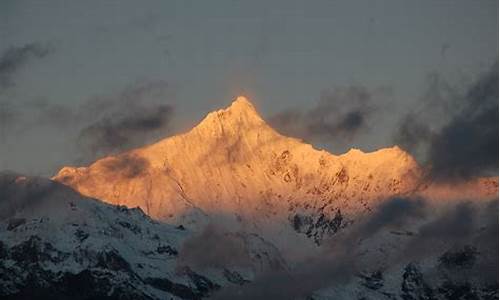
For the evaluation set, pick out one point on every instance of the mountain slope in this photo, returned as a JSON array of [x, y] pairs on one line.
[[56, 244], [233, 164], [239, 208]]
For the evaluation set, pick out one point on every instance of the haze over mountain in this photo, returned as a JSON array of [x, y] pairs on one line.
[[234, 166], [359, 163], [57, 244], [232, 209]]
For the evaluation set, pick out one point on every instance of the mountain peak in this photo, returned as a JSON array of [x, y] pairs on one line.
[[240, 114], [241, 105], [242, 102], [234, 163]]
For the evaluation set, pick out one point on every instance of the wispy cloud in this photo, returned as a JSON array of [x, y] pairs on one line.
[[340, 115], [343, 258], [466, 145], [15, 57]]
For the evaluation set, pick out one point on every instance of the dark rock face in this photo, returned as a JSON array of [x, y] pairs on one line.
[[166, 249], [178, 290], [317, 226], [3, 250], [81, 235], [97, 251], [202, 288], [414, 286], [15, 222], [112, 260], [87, 284], [203, 285], [373, 281], [234, 277], [465, 257], [109, 276], [57, 244], [458, 291], [34, 250], [132, 227]]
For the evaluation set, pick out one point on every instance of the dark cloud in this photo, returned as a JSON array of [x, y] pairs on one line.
[[438, 103], [467, 225], [487, 243], [284, 285], [17, 192], [42, 112], [444, 50], [11, 60], [337, 265], [123, 130], [9, 114], [214, 247], [135, 116], [101, 125], [489, 233], [466, 145], [341, 113], [413, 135], [392, 214], [15, 57], [455, 225], [127, 165], [19, 117], [344, 258]]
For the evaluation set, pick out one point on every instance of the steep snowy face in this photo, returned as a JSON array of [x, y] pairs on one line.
[[234, 165], [55, 244], [234, 162], [276, 195]]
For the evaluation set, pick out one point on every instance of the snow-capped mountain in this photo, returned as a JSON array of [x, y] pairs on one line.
[[235, 166], [57, 244], [234, 210]]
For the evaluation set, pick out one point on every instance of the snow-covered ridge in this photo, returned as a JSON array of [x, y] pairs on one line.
[[232, 209], [235, 165], [55, 243]]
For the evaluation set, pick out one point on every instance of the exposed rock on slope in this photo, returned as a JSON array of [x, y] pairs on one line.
[[276, 195], [56, 244], [233, 164]]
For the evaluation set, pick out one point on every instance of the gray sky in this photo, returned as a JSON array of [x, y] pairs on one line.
[[282, 54]]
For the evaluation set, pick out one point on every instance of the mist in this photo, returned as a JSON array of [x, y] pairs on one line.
[[435, 231]]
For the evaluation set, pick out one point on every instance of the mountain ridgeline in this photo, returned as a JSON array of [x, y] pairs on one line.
[[232, 209], [234, 165]]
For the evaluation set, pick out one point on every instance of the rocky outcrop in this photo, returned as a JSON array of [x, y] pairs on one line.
[[234, 164], [57, 244]]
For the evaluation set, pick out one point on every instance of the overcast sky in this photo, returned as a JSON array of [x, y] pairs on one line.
[[197, 55]]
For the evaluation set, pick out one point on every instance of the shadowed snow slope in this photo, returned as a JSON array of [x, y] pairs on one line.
[[265, 215], [57, 244], [234, 164]]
